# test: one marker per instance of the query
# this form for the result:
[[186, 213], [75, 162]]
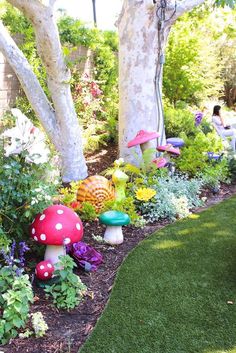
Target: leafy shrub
[[178, 121], [175, 196], [24, 192], [15, 293], [193, 158], [69, 290], [87, 211], [215, 173], [232, 165]]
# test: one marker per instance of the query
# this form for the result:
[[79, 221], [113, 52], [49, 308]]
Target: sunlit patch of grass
[[176, 291], [193, 216], [168, 244]]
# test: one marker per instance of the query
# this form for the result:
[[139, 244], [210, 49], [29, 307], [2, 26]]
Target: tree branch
[[29, 82], [186, 6]]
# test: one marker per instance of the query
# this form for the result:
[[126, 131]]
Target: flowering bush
[[175, 196], [181, 206], [25, 137], [89, 105], [26, 186]]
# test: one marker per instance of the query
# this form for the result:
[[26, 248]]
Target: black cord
[[161, 15]]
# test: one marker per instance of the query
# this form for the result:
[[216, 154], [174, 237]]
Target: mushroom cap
[[169, 149], [160, 162], [142, 137], [44, 270], [175, 141], [57, 225], [114, 218]]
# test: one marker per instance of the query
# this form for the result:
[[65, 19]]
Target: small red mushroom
[[44, 270], [169, 149], [56, 227], [143, 139]]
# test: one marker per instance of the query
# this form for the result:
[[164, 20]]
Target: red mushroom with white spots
[[56, 227], [44, 270]]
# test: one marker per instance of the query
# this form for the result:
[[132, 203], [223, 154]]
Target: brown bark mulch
[[69, 330]]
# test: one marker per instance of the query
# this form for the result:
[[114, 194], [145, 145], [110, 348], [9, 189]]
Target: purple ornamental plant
[[198, 118], [85, 255]]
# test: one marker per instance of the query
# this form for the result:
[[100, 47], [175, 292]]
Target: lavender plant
[[15, 292]]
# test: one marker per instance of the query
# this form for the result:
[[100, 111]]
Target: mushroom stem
[[113, 235], [53, 252], [148, 144]]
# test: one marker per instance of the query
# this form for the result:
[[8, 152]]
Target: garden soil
[[68, 330]]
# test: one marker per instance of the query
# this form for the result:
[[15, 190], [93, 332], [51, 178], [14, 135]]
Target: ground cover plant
[[172, 294]]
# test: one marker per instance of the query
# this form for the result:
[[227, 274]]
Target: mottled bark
[[140, 68], [66, 133]]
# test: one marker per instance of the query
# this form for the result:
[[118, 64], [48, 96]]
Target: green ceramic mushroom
[[120, 179], [114, 220]]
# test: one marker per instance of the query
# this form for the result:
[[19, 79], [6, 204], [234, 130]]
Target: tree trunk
[[140, 68], [66, 134]]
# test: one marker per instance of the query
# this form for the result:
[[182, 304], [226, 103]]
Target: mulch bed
[[69, 330]]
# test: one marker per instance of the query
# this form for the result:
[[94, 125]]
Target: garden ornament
[[56, 227], [169, 149], [143, 139], [44, 270], [175, 141], [114, 220], [85, 255], [119, 179], [160, 162], [97, 190]]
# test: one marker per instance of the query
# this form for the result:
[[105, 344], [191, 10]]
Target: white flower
[[119, 162], [26, 137]]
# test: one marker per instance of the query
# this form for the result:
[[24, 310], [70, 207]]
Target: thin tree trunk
[[68, 139]]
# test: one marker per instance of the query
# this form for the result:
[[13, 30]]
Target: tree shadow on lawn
[[176, 291]]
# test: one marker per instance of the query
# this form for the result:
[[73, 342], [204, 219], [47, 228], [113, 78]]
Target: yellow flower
[[145, 194], [64, 191]]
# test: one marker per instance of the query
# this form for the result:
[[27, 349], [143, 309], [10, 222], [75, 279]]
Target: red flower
[[75, 205]]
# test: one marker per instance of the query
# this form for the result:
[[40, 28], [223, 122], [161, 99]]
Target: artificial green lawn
[[171, 292]]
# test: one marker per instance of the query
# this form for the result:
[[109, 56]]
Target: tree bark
[[141, 56], [65, 134]]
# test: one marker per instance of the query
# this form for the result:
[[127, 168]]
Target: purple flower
[[17, 265], [10, 256], [198, 118], [22, 249]]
